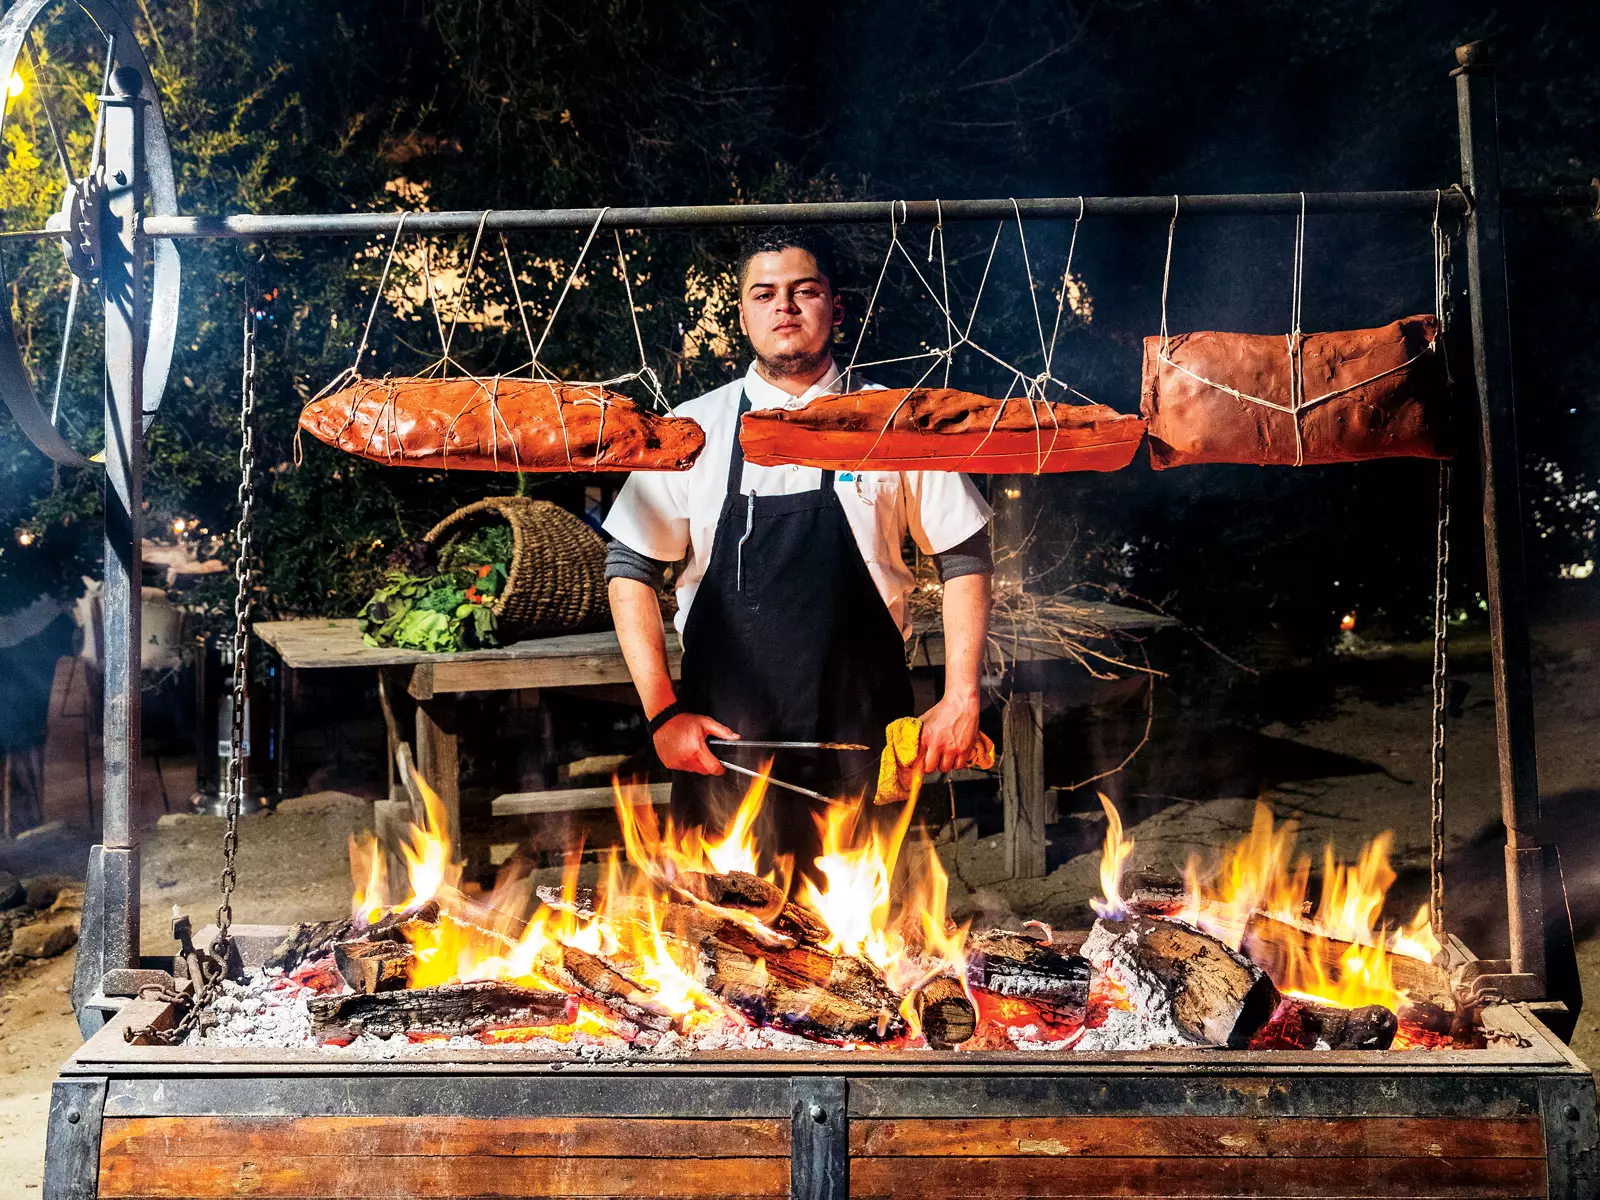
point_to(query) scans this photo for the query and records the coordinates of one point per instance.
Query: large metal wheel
(78, 224)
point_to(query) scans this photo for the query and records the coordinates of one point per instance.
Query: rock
(46, 938)
(11, 891)
(69, 899)
(43, 889)
(168, 820)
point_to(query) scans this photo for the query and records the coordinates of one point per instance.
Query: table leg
(1022, 788)
(437, 759)
(282, 681)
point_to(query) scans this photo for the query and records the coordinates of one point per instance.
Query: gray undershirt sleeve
(971, 557)
(624, 562)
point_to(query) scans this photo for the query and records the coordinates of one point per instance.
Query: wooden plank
(579, 670)
(560, 800)
(1022, 786)
(289, 1175)
(1435, 1178)
(388, 1137)
(321, 643)
(438, 761)
(1234, 1137)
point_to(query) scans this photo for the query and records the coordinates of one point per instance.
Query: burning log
(458, 1008)
(948, 1017)
(309, 940)
(735, 889)
(1302, 1024)
(1212, 994)
(1273, 943)
(1155, 895)
(769, 995)
(685, 923)
(371, 967)
(592, 976)
(1013, 964)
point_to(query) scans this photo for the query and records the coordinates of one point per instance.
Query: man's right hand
(681, 743)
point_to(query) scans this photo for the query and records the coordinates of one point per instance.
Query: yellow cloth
(900, 768)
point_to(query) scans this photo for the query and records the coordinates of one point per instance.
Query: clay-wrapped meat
(500, 424)
(941, 429)
(1367, 393)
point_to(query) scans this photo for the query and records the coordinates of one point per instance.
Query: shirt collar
(768, 395)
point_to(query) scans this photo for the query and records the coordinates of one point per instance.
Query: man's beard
(798, 365)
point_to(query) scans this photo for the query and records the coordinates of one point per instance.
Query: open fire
(692, 939)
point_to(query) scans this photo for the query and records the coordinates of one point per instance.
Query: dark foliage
(307, 107)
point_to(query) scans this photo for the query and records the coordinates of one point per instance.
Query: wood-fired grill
(1514, 1117)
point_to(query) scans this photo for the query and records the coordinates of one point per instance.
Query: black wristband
(655, 723)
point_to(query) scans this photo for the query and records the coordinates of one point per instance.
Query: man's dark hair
(771, 239)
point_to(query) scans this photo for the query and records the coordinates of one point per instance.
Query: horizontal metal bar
(248, 225)
(704, 216)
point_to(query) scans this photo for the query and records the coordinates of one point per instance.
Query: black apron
(788, 639)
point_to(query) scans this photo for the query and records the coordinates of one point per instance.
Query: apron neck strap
(736, 457)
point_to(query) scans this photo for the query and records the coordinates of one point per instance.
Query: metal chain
(1441, 629)
(234, 784)
(1442, 282)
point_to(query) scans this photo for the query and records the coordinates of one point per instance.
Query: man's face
(788, 310)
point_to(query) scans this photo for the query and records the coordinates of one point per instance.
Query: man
(792, 598)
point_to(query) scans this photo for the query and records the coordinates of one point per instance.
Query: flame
(1117, 849)
(1338, 951)
(876, 902)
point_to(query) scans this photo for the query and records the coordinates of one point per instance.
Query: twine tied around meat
(1033, 387)
(1295, 340)
(488, 387)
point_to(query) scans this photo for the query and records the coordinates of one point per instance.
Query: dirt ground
(1357, 764)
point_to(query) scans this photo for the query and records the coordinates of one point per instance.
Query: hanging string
(1066, 283)
(1297, 377)
(1298, 402)
(1166, 277)
(1033, 386)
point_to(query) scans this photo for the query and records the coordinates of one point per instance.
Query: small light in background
(1347, 622)
(24, 537)
(1013, 493)
(178, 527)
(16, 85)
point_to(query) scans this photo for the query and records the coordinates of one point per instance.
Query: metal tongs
(782, 745)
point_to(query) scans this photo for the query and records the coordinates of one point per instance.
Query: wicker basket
(557, 578)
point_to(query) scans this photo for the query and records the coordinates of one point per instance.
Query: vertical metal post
(122, 277)
(1502, 508)
(819, 1141)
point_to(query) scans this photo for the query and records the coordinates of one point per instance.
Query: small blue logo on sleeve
(845, 476)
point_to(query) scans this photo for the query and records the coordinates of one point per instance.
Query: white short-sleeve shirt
(666, 515)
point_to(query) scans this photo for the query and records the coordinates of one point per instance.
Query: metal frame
(1526, 1072)
(111, 917)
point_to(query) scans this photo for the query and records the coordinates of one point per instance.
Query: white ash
(1148, 1020)
(270, 1011)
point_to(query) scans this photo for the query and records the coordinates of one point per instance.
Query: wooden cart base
(1510, 1121)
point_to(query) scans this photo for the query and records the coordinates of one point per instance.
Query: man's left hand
(949, 729)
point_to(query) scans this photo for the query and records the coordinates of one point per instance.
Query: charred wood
(769, 995)
(1014, 964)
(369, 967)
(458, 1008)
(1301, 1024)
(1214, 995)
(948, 1017)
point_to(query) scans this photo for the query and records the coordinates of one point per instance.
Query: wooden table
(592, 663)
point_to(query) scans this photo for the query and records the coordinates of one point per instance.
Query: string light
(24, 537)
